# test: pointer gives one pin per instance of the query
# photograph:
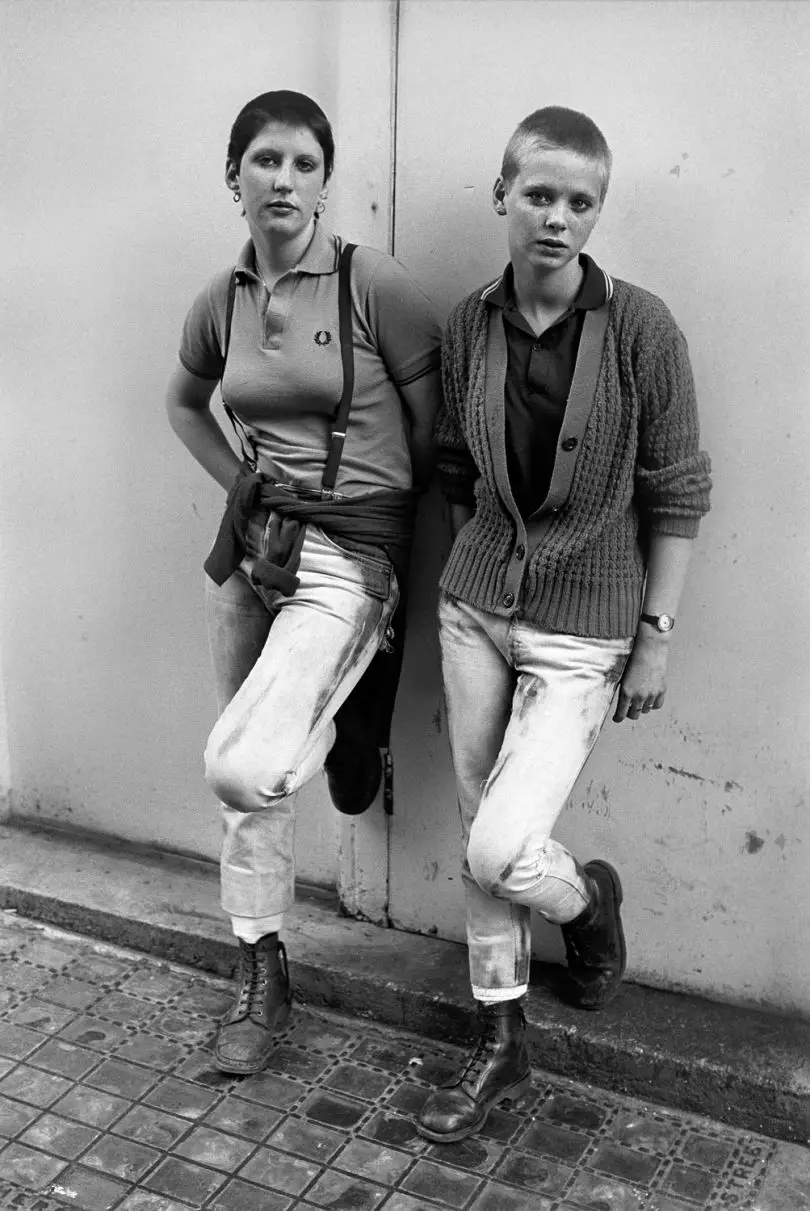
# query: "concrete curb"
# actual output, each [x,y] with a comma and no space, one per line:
[740,1066]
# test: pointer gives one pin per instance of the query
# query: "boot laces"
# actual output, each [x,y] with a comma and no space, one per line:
[482,1052]
[254,977]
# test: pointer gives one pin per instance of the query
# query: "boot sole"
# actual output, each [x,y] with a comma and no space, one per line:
[518,1090]
[618,896]
[248,1067]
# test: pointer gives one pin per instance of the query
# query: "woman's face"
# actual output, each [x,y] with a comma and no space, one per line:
[280,178]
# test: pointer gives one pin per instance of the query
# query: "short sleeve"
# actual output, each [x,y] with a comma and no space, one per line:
[403,323]
[200,344]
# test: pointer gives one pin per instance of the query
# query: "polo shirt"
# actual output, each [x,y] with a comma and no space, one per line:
[539,373]
[284,375]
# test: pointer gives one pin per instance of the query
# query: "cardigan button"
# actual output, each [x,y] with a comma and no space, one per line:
[509,600]
[569,444]
[520,552]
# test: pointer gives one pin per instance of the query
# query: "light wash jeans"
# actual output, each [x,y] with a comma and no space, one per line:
[525,707]
[283,666]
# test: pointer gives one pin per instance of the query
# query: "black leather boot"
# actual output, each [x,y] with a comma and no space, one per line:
[594,941]
[353,771]
[261,1008]
[498,1068]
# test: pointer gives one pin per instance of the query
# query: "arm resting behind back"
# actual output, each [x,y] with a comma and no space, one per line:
[188,404]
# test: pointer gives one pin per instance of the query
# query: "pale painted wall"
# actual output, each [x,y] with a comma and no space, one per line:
[115,214]
[704,807]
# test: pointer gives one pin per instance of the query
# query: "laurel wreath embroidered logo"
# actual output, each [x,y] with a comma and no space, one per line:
[322,337]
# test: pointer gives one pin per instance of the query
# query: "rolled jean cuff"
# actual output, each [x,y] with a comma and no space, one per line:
[494,996]
[250,929]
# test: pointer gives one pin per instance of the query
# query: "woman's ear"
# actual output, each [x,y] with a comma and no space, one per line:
[231,175]
[499,196]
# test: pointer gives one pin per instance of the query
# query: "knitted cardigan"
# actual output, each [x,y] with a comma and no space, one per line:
[627,466]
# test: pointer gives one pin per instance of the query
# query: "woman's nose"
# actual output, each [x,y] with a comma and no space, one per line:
[283,179]
[556,215]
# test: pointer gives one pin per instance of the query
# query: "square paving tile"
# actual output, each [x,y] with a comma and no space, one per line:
[59,1136]
[310,1140]
[184,1181]
[65,1059]
[71,993]
[179,1097]
[686,1182]
[495,1197]
[624,1163]
[120,1157]
[595,1190]
[15,1117]
[536,1173]
[39,1015]
[119,1007]
[16,1042]
[359,1082]
[271,1168]
[153,1127]
[152,1051]
[240,1196]
[342,1190]
[88,1190]
[95,1034]
[154,983]
[214,1148]
[91,1106]
[555,1142]
[245,1119]
[272,1090]
[121,1078]
[29,1085]
[369,1159]
[334,1111]
[447,1186]
[25,1167]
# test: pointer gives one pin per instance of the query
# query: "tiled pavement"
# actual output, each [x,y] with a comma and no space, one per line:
[108,1099]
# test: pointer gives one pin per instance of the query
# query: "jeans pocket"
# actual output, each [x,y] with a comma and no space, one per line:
[375,570]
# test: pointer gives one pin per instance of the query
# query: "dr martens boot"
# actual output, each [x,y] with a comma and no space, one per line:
[498,1068]
[594,941]
[261,1007]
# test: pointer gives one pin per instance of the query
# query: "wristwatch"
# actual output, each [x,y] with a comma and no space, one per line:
[661,622]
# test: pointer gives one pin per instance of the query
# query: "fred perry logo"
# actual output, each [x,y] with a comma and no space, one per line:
[322,337]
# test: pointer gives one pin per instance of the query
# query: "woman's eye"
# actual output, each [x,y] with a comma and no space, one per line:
[580,204]
[306,165]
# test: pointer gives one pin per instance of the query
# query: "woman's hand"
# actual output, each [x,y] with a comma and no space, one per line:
[644,683]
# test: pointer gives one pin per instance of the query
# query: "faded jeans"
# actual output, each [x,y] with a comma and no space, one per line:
[525,707]
[283,666]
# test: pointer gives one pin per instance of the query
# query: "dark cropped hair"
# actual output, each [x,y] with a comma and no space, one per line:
[557,127]
[295,109]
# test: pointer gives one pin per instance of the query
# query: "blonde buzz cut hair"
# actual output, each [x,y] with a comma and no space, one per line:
[557,127]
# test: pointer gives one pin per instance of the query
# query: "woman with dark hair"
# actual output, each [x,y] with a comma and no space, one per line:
[327,356]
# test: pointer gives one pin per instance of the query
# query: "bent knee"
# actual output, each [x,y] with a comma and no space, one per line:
[492,866]
[238,783]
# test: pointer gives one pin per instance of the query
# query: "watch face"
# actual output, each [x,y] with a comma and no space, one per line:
[665,622]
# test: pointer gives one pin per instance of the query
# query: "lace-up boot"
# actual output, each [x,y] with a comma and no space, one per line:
[261,1008]
[497,1069]
[594,941]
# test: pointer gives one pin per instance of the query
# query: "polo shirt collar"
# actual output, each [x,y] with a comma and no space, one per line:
[320,257]
[595,290]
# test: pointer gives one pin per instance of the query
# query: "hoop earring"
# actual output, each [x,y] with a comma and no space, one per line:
[320,207]
[237,197]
